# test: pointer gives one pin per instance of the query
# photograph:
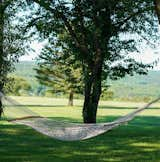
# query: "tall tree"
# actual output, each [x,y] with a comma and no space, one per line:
[1,49]
[3,6]
[59,73]
[11,42]
[101,34]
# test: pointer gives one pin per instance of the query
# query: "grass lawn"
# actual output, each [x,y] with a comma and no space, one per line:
[139,141]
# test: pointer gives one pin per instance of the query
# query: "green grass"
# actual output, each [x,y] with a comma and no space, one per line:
[139,141]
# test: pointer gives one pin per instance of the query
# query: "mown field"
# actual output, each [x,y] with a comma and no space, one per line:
[138,141]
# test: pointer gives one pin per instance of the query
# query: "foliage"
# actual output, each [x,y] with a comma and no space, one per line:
[51,24]
[107,95]
[61,75]
[12,42]
[17,86]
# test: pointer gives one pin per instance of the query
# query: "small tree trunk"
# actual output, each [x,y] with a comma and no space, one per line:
[1,51]
[2,69]
[70,102]
[1,37]
[1,108]
[1,105]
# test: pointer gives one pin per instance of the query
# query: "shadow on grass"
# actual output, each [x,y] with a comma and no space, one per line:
[136,141]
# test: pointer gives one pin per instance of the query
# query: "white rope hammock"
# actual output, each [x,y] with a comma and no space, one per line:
[71,131]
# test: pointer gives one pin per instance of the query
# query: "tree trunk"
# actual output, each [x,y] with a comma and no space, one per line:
[92,93]
[1,52]
[1,105]
[157,8]
[1,38]
[1,108]
[70,102]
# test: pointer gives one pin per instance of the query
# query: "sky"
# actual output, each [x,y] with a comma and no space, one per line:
[37,47]
[147,55]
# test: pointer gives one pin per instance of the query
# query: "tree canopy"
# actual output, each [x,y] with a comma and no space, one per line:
[11,39]
[59,73]
[101,35]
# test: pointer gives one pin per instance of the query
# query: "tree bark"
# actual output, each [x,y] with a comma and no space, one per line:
[92,92]
[1,52]
[1,108]
[157,8]
[1,37]
[70,102]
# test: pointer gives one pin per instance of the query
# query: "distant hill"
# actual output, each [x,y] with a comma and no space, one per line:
[138,85]
[26,70]
[135,86]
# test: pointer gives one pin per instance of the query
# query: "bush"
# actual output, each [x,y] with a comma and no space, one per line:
[17,86]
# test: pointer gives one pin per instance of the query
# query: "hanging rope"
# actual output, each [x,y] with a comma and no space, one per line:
[20,114]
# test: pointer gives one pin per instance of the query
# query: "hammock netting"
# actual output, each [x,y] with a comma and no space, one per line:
[20,114]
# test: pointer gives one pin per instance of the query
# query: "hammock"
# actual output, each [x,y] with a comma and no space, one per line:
[62,130]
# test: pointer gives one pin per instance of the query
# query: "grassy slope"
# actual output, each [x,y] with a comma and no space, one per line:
[139,141]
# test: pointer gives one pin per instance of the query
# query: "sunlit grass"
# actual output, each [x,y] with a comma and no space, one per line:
[54,107]
[139,141]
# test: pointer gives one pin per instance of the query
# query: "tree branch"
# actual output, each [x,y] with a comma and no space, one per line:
[61,15]
[120,23]
[157,8]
